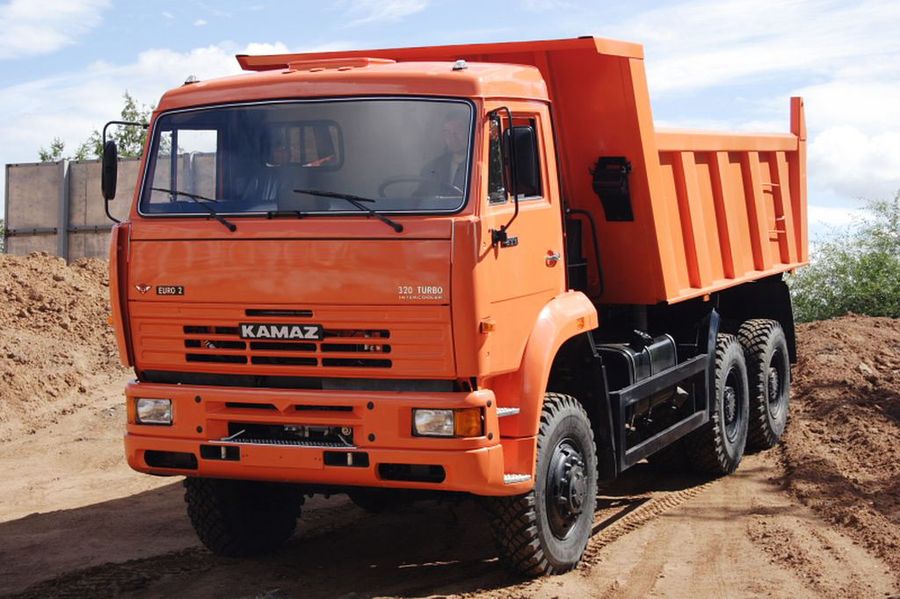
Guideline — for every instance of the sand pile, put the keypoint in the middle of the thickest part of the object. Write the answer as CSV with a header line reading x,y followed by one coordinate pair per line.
x,y
54,338
842,449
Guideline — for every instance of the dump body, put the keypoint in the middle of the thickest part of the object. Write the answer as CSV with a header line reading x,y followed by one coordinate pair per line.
x,y
709,211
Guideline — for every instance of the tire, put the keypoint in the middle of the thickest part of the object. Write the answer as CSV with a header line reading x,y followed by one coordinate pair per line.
x,y
717,447
237,518
537,535
769,372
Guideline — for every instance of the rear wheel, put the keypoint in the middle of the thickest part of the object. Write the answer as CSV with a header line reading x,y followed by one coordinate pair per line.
x,y
769,371
546,530
238,518
718,446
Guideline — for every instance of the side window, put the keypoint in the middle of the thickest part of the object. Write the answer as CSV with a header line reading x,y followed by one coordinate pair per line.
x,y
496,188
521,144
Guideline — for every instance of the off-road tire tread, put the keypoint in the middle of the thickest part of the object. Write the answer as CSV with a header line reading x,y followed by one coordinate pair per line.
x,y
705,447
214,508
515,519
754,336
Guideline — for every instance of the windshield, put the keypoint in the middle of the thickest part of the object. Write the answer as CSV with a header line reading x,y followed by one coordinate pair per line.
x,y
408,155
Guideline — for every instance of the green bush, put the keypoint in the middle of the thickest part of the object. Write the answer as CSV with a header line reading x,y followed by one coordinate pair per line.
x,y
856,270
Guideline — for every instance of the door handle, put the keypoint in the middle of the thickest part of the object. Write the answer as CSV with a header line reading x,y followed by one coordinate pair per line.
x,y
552,258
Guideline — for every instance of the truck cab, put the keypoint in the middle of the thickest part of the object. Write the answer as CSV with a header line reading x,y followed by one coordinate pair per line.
x,y
373,271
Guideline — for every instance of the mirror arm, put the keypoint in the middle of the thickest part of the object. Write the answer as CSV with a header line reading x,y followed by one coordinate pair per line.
x,y
105,127
132,123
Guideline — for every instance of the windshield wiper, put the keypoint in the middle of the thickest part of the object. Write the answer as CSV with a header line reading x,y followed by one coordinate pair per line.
x,y
198,199
356,201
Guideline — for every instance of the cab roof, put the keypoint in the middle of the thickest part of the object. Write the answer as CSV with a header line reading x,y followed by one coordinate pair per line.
x,y
364,76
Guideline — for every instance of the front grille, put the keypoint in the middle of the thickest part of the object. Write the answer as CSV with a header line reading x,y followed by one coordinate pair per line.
x,y
345,342
339,348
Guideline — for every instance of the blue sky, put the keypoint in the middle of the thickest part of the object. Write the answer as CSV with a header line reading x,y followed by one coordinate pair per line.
x,y
714,64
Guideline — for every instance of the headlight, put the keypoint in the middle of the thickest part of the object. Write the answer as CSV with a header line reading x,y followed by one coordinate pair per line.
x,y
466,422
153,411
433,423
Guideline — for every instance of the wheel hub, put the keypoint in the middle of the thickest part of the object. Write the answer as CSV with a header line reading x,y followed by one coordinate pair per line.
x,y
773,385
730,404
567,488
572,486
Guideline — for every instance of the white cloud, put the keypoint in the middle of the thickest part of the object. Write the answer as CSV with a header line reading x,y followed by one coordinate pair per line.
x,y
167,14
72,105
827,221
361,12
845,58
31,28
855,163
199,23
714,42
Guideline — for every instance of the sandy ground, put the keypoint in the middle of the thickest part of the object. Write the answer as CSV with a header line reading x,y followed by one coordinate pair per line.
x,y
89,526
817,516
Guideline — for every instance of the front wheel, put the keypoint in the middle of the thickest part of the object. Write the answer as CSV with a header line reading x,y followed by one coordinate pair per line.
x,y
546,530
238,518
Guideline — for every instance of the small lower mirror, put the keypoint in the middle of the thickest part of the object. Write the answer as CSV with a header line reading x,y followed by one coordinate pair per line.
x,y
109,170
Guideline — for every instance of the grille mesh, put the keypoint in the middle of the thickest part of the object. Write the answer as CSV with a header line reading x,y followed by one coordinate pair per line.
x,y
352,348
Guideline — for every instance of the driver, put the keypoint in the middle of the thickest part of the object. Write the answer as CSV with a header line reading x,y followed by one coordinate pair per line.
x,y
448,171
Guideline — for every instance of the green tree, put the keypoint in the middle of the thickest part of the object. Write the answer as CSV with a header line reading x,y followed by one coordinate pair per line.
x,y
856,270
130,140
2,237
54,152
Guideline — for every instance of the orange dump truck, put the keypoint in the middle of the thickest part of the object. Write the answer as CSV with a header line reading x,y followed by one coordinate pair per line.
x,y
475,269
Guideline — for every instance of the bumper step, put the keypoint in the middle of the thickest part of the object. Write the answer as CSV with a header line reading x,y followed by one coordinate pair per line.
x,y
511,479
503,412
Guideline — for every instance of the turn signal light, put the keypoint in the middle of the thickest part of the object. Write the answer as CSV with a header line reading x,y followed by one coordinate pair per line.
x,y
467,422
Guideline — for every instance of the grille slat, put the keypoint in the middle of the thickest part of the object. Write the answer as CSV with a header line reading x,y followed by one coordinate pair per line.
x,y
283,361
221,358
282,346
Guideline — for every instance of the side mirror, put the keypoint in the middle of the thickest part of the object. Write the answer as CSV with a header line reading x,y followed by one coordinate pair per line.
x,y
525,169
109,170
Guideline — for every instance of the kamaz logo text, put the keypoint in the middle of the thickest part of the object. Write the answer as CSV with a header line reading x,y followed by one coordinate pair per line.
x,y
313,332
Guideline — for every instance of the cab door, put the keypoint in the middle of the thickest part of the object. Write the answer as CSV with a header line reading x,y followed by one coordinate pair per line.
x,y
523,261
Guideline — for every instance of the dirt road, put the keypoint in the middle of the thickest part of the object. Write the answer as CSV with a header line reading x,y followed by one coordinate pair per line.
x,y
100,529
819,516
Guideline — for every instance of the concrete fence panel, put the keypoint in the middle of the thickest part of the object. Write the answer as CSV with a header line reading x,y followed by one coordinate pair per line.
x,y
58,208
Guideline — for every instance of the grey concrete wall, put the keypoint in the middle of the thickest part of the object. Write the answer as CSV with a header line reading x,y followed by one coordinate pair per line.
x,y
58,208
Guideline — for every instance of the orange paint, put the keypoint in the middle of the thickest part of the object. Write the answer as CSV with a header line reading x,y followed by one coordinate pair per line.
x,y
704,205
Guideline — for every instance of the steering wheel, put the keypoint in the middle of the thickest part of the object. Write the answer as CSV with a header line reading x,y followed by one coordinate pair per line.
x,y
442,185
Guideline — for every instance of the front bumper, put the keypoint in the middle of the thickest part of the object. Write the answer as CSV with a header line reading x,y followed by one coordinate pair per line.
x,y
383,447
